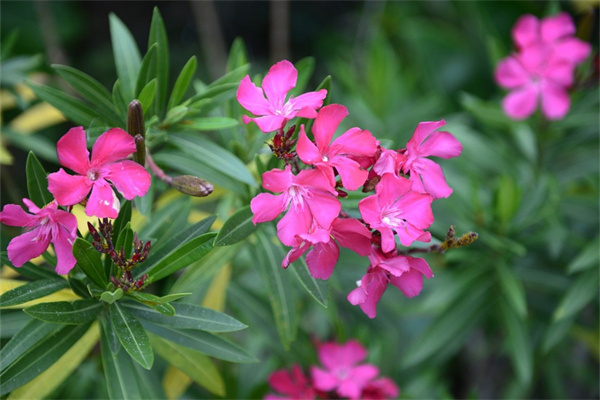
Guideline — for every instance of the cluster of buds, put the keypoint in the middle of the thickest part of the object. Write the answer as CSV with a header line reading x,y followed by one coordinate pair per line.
x,y
104,244
283,144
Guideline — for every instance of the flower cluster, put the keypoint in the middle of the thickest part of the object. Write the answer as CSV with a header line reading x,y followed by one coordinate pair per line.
x,y
341,376
59,227
405,182
542,68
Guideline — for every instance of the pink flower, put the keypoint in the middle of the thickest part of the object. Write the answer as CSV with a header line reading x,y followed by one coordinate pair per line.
x,y
341,370
323,256
274,111
543,68
311,200
404,272
44,226
292,384
342,153
107,164
395,207
380,389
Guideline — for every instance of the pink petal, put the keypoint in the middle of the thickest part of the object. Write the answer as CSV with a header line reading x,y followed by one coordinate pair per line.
x,y
555,101
266,207
63,247
278,180
306,149
417,209
433,178
360,375
252,97
396,266
410,283
510,73
387,162
129,177
526,31
521,103
357,296
68,189
13,215
280,79
370,210
103,202
341,356
72,151
307,103
268,123
560,72
28,246
67,220
441,144
556,27
322,259
326,124
35,209
355,142
113,145
374,285
573,50
323,380
388,242
314,179
390,188
352,234
410,233
349,390
324,208
294,254
423,130
294,223
352,175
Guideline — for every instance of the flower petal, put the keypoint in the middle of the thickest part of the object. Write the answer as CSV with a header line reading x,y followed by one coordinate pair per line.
x,y
326,123
526,31
14,215
103,202
323,380
34,209
278,180
352,234
324,207
573,50
307,103
28,246
266,207
352,175
510,73
129,177
72,151
113,145
423,130
374,284
356,380
556,27
268,123
555,101
560,72
294,223
433,178
355,142
388,242
68,189
410,283
295,254
322,259
441,144
521,103
63,247
280,79
252,98
306,149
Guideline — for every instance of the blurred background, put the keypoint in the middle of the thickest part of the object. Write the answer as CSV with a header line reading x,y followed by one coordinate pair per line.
x,y
515,315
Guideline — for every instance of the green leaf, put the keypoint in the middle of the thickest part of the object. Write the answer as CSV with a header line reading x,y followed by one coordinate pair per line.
x,y
118,100
165,218
277,285
305,68
513,290
40,145
203,342
71,107
158,35
123,219
126,54
188,316
317,288
557,332
238,56
588,258
147,69
209,123
579,294
193,363
153,300
111,297
91,90
132,335
179,258
237,228
38,359
183,82
32,290
518,343
212,92
125,240
80,284
37,183
29,270
25,340
64,312
12,322
146,96
89,261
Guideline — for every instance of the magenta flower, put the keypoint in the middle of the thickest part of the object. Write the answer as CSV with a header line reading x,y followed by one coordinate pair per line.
x,y
380,389
311,200
275,111
291,384
343,153
44,226
543,68
107,164
395,207
404,272
323,256
342,371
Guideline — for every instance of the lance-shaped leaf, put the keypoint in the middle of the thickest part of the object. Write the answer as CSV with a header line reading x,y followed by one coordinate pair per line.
x,y
158,35
580,293
37,184
31,291
132,335
209,123
64,312
123,219
317,288
89,261
25,340
125,240
147,95
151,299
71,107
126,54
147,69
183,82
188,316
29,270
11,322
237,228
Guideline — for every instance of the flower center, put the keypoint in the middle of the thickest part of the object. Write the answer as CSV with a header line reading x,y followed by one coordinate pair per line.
x,y
296,196
393,217
325,159
93,175
44,221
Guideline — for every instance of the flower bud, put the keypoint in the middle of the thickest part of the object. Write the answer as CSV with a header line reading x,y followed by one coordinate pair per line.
x,y
192,185
136,128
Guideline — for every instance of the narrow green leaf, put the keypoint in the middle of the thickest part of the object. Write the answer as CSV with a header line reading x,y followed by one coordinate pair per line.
x,y
147,95
203,342
132,335
111,297
238,56
126,54
518,344
237,228
305,68
147,69
32,290
38,359
579,294
317,288
557,332
25,340
513,290
588,258
29,270
71,107
212,92
188,316
123,219
64,312
79,284
183,82
43,147
89,261
151,299
11,322
37,183
165,218
118,100
193,363
209,123
125,240
158,35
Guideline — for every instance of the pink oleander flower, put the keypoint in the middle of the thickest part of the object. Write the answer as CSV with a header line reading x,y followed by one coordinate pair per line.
x,y
542,69
395,207
108,164
44,226
342,371
312,203
341,154
323,256
275,111
404,272
380,389
291,384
